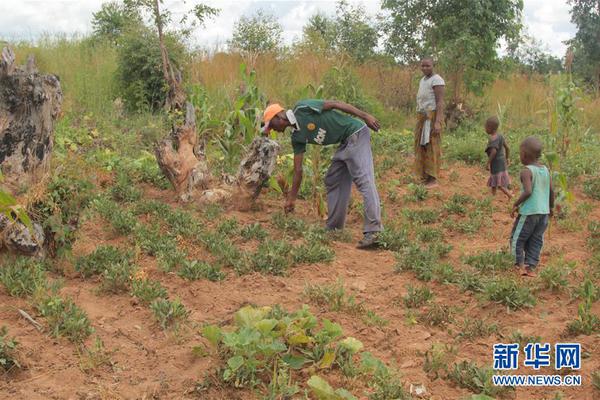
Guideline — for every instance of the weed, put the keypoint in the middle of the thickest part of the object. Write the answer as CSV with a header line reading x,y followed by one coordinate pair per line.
x,y
8,351
147,290
168,262
272,257
506,291
437,359
594,238
417,192
554,276
393,238
194,270
467,226
169,313
124,189
154,242
385,383
428,234
444,273
471,282
229,227
438,315
588,290
469,375
254,231
64,318
116,278
312,252
523,339
422,216
475,328
490,261
181,223
100,259
154,207
372,319
586,322
22,277
420,261
333,297
417,296
591,187
122,220
212,211
457,204
94,357
289,224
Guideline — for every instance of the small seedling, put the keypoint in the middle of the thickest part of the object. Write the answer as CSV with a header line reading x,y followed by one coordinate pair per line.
x,y
272,257
393,238
334,297
100,259
147,290
91,358
422,216
312,252
8,351
169,313
490,262
438,315
194,270
64,318
417,296
554,276
254,231
22,276
475,328
416,192
506,291
437,359
116,278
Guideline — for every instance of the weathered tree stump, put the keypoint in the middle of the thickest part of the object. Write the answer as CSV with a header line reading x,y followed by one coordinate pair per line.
x,y
257,166
30,103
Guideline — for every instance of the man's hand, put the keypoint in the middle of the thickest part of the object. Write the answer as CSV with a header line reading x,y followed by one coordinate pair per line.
x,y
514,211
437,128
372,122
289,206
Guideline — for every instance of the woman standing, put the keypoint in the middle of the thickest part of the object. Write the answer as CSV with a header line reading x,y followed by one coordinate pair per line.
x,y
430,111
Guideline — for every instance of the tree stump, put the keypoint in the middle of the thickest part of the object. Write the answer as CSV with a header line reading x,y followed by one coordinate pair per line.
x,y
257,166
30,103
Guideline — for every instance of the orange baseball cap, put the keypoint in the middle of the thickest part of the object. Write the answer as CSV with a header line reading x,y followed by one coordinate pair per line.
x,y
271,111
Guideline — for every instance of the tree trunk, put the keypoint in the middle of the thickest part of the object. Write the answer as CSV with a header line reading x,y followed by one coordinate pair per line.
x,y
29,106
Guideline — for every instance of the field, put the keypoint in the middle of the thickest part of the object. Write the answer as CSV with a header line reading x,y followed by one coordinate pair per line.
x,y
147,297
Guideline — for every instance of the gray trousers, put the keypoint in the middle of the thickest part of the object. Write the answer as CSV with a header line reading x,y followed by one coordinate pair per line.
x,y
353,162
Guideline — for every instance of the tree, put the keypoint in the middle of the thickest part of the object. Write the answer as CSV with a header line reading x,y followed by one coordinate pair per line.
x,y
529,55
255,35
462,34
113,19
350,32
585,14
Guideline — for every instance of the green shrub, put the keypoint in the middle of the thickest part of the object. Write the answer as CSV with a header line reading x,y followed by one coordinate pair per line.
x,y
272,257
147,290
312,252
254,231
8,351
490,261
591,187
116,278
169,313
506,291
101,259
64,318
417,296
22,276
194,270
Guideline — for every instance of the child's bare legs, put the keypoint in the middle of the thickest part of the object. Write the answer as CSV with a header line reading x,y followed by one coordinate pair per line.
x,y
506,192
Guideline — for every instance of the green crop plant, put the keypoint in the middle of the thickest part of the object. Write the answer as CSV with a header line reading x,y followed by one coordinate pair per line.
x,y
100,259
417,259
393,238
509,293
523,339
334,298
416,193
457,204
22,276
289,224
586,322
64,318
490,262
116,277
476,328
591,187
124,190
437,359
122,220
194,270
422,216
229,227
312,252
469,375
8,351
555,276
471,282
147,290
428,234
385,383
272,257
254,231
444,273
438,315
169,313
417,296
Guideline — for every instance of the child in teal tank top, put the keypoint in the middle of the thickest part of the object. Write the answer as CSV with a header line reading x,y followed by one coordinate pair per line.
x,y
534,206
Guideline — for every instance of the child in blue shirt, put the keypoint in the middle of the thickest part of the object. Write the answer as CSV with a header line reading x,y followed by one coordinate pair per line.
x,y
534,206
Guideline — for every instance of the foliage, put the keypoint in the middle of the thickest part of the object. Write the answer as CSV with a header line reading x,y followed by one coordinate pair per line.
x,y
64,317
477,379
116,278
257,34
254,231
506,291
113,19
102,258
312,252
438,315
147,290
169,313
490,261
11,210
22,276
193,270
474,328
591,187
124,190
417,296
272,257
451,30
334,297
554,276
393,238
584,14
8,351
416,192
586,322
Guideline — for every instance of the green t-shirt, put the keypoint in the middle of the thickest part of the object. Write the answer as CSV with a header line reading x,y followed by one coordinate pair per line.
x,y
316,126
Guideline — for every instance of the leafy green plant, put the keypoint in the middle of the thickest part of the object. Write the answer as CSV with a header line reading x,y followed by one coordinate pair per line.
x,y
586,322
322,390
393,238
428,234
475,328
147,290
272,257
469,375
100,259
490,261
457,204
254,231
422,216
312,252
554,276
437,359
23,276
194,270
8,351
444,273
116,277
169,313
228,227
122,220
124,190
472,282
417,259
288,224
506,291
417,296
591,187
438,315
64,318
523,339
334,297
385,383
416,192
95,356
